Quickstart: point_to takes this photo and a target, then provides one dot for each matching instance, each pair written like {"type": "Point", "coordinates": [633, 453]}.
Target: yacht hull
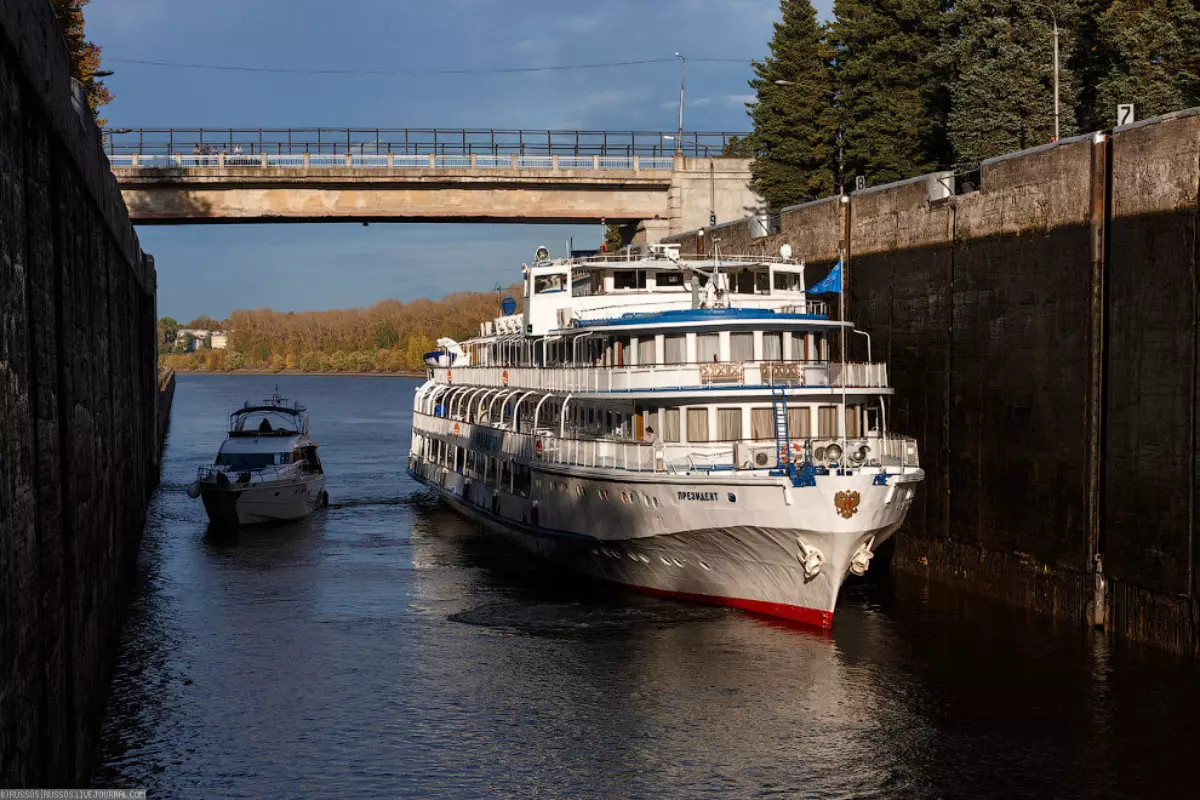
{"type": "Point", "coordinates": [234, 505]}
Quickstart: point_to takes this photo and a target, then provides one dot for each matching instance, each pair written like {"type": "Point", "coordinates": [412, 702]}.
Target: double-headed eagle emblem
{"type": "Point", "coordinates": [846, 503]}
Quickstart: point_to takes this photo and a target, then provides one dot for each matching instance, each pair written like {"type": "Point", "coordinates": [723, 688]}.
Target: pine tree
{"type": "Point", "coordinates": [795, 126]}
{"type": "Point", "coordinates": [892, 95]}
{"type": "Point", "coordinates": [1001, 56]}
{"type": "Point", "coordinates": [1148, 54]}
{"type": "Point", "coordinates": [84, 55]}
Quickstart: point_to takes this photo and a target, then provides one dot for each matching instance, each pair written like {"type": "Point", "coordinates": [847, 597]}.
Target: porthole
{"type": "Point", "coordinates": [705, 566]}
{"type": "Point", "coordinates": [643, 559]}
{"type": "Point", "coordinates": [678, 563]}
{"type": "Point", "coordinates": [666, 561]}
{"type": "Point", "coordinates": [633, 557]}
{"type": "Point", "coordinates": [732, 497]}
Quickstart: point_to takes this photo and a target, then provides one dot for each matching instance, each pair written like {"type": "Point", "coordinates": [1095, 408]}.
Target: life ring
{"type": "Point", "coordinates": [449, 376]}
{"type": "Point", "coordinates": [783, 456]}
{"type": "Point", "coordinates": [537, 449]}
{"type": "Point", "coordinates": [504, 377]}
{"type": "Point", "coordinates": [456, 429]}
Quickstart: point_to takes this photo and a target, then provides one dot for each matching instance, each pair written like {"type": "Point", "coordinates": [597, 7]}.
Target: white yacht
{"type": "Point", "coordinates": [267, 469]}
{"type": "Point", "coordinates": [673, 424]}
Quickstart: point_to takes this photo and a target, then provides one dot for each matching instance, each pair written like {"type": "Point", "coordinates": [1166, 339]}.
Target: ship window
{"type": "Point", "coordinates": [707, 347]}
{"type": "Point", "coordinates": [800, 347]}
{"type": "Point", "coordinates": [762, 282]}
{"type": "Point", "coordinates": [646, 351]}
{"type": "Point", "coordinates": [670, 425]}
{"type": "Point", "coordinates": [853, 422]}
{"type": "Point", "coordinates": [459, 460]}
{"type": "Point", "coordinates": [772, 347]}
{"type": "Point", "coordinates": [669, 278]}
{"type": "Point", "coordinates": [741, 347]}
{"type": "Point", "coordinates": [787, 282]}
{"type": "Point", "coordinates": [506, 477]}
{"type": "Point", "coordinates": [676, 349]}
{"type": "Point", "coordinates": [629, 279]}
{"type": "Point", "coordinates": [544, 284]}
{"type": "Point", "coordinates": [827, 421]}
{"type": "Point", "coordinates": [522, 479]}
{"type": "Point", "coordinates": [762, 423]}
{"type": "Point", "coordinates": [800, 423]}
{"type": "Point", "coordinates": [697, 424]}
{"type": "Point", "coordinates": [729, 424]}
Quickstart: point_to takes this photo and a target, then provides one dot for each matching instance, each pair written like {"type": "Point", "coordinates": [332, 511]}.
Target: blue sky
{"type": "Point", "coordinates": [217, 268]}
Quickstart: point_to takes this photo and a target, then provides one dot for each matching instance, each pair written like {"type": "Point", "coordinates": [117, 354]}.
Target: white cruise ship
{"type": "Point", "coordinates": [672, 424]}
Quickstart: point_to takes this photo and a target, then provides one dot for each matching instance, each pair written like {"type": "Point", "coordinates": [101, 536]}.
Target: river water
{"type": "Point", "coordinates": [386, 648]}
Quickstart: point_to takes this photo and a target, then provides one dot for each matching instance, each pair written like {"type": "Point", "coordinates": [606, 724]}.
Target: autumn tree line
{"type": "Point", "coordinates": [388, 337]}
{"type": "Point", "coordinates": [891, 89]}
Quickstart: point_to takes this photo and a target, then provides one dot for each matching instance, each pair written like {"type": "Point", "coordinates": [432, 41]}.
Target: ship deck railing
{"type": "Point", "coordinates": [715, 375]}
{"type": "Point", "coordinates": [885, 451]}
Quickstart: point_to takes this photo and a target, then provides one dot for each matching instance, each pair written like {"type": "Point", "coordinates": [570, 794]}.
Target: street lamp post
{"type": "Point", "coordinates": [682, 75]}
{"type": "Point", "coordinates": [1054, 21]}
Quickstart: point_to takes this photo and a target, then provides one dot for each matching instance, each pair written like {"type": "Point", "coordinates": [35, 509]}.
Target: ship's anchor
{"type": "Point", "coordinates": [811, 559]}
{"type": "Point", "coordinates": [862, 558]}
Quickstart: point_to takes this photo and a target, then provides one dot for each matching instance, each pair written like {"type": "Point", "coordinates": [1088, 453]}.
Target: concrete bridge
{"type": "Point", "coordinates": [185, 177]}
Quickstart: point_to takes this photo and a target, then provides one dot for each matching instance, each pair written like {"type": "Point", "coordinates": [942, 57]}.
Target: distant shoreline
{"type": "Point", "coordinates": [302, 373]}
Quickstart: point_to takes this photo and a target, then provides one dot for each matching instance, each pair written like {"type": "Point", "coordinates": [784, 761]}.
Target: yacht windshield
{"type": "Point", "coordinates": [252, 460]}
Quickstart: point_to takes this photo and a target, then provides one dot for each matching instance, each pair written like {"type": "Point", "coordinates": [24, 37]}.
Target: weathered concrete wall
{"type": "Point", "coordinates": [1043, 343]}
{"type": "Point", "coordinates": [77, 410]}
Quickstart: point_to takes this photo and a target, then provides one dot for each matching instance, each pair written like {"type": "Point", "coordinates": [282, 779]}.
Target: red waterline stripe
{"type": "Point", "coordinates": [806, 616]}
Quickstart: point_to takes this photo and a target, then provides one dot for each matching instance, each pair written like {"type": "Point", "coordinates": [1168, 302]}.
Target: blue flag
{"type": "Point", "coordinates": [832, 282]}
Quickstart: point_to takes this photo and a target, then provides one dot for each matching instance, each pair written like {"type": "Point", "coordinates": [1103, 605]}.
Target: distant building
{"type": "Point", "coordinates": [192, 339]}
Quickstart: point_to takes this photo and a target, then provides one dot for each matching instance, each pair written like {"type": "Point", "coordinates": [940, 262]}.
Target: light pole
{"type": "Point", "coordinates": [1054, 21]}
{"type": "Point", "coordinates": [682, 75]}
{"type": "Point", "coordinates": [864, 333]}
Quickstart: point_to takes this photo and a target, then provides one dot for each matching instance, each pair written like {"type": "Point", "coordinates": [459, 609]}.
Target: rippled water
{"type": "Point", "coordinates": [384, 648]}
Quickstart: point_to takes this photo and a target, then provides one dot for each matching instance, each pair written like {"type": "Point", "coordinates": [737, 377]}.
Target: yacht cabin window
{"type": "Point", "coordinates": [697, 424]}
{"type": "Point", "coordinates": [669, 279]}
{"type": "Point", "coordinates": [800, 423]}
{"type": "Point", "coordinates": [707, 347]}
{"type": "Point", "coordinates": [787, 282]}
{"type": "Point", "coordinates": [827, 426]}
{"type": "Point", "coordinates": [629, 279]}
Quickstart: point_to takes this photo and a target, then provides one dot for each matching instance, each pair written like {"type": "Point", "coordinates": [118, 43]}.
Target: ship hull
{"type": "Point", "coordinates": [755, 567]}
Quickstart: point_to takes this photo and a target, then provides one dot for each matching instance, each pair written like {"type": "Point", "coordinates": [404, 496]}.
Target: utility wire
{"type": "Point", "coordinates": [492, 71]}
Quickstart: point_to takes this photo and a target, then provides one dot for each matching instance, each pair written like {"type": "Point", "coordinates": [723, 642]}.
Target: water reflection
{"type": "Point", "coordinates": [385, 646]}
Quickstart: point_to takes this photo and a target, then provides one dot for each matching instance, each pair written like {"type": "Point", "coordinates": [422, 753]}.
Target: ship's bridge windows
{"type": "Point", "coordinates": [547, 284]}
{"type": "Point", "coordinates": [629, 279]}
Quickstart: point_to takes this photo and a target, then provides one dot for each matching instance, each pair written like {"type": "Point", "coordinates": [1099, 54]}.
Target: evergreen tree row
{"type": "Point", "coordinates": [896, 88]}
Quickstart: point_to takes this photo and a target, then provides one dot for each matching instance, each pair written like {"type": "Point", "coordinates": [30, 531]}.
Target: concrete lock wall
{"type": "Point", "coordinates": [77, 410]}
{"type": "Point", "coordinates": [1043, 344]}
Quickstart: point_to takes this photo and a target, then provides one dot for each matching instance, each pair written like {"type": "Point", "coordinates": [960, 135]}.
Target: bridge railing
{"type": "Point", "coordinates": [414, 142]}
{"type": "Point", "coordinates": [388, 161]}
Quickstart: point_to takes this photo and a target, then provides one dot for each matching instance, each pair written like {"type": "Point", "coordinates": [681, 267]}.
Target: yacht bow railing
{"type": "Point", "coordinates": [241, 477]}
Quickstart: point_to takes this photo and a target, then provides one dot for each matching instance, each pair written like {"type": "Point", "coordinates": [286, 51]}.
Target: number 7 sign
{"type": "Point", "coordinates": [1125, 114]}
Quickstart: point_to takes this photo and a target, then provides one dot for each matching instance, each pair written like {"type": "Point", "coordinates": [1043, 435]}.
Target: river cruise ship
{"type": "Point", "coordinates": [672, 424]}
